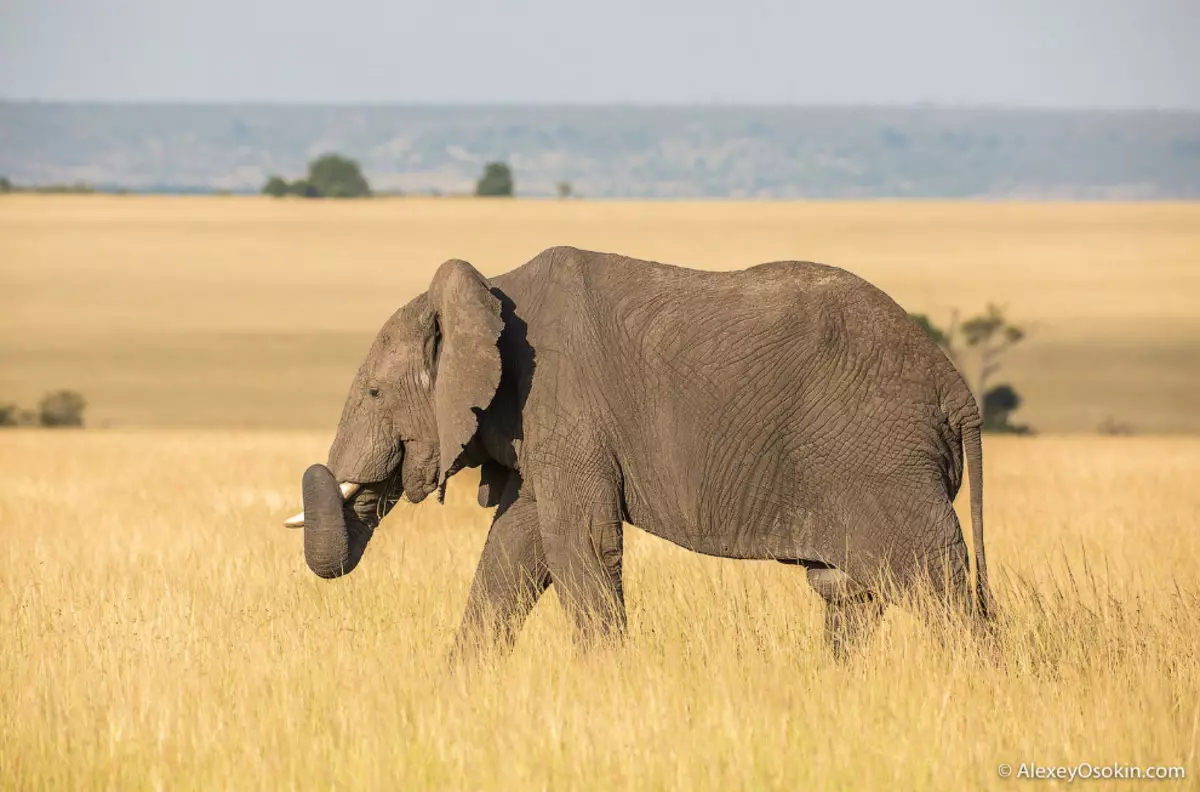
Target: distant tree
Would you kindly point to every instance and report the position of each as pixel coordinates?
(62, 408)
(12, 415)
(991, 335)
(998, 406)
(303, 189)
(276, 187)
(563, 188)
(988, 335)
(329, 176)
(335, 176)
(496, 180)
(5, 185)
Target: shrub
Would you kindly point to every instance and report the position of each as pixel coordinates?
(329, 176)
(335, 176)
(275, 187)
(998, 405)
(12, 415)
(497, 180)
(62, 408)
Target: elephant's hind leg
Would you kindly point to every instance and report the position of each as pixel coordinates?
(852, 612)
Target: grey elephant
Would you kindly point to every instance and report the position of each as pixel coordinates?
(788, 411)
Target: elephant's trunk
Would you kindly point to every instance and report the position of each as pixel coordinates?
(334, 537)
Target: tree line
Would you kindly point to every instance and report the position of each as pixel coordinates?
(336, 176)
(57, 408)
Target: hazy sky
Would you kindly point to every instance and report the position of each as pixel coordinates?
(1076, 53)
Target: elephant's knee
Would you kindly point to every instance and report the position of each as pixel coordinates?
(834, 585)
(609, 547)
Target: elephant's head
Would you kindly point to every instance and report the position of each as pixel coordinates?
(411, 411)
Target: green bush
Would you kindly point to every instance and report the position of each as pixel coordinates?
(276, 187)
(62, 408)
(497, 180)
(13, 415)
(335, 176)
(329, 176)
(999, 403)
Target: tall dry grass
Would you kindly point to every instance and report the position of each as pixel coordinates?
(160, 630)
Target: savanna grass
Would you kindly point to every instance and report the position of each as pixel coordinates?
(162, 631)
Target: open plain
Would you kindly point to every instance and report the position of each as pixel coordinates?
(160, 628)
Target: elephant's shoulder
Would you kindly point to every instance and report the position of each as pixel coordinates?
(562, 259)
(807, 274)
(585, 274)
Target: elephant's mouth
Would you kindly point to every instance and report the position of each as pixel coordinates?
(339, 518)
(369, 502)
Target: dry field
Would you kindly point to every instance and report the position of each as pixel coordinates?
(162, 631)
(245, 312)
(160, 628)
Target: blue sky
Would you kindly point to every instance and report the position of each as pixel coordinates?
(1051, 53)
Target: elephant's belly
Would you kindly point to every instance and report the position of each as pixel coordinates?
(791, 539)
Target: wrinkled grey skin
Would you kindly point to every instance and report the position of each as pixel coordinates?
(789, 411)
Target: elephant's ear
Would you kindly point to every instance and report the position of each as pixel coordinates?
(468, 362)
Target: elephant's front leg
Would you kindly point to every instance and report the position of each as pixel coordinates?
(511, 575)
(582, 537)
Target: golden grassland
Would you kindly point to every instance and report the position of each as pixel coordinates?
(249, 312)
(162, 631)
(160, 628)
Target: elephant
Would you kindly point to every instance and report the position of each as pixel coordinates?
(789, 411)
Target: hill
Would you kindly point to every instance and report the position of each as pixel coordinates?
(618, 151)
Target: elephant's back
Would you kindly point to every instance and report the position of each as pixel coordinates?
(712, 326)
(788, 289)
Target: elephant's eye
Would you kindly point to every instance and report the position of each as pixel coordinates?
(373, 392)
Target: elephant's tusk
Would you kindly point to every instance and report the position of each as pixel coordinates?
(348, 488)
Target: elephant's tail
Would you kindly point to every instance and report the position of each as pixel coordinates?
(973, 449)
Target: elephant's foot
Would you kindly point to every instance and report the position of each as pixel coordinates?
(849, 625)
(483, 634)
